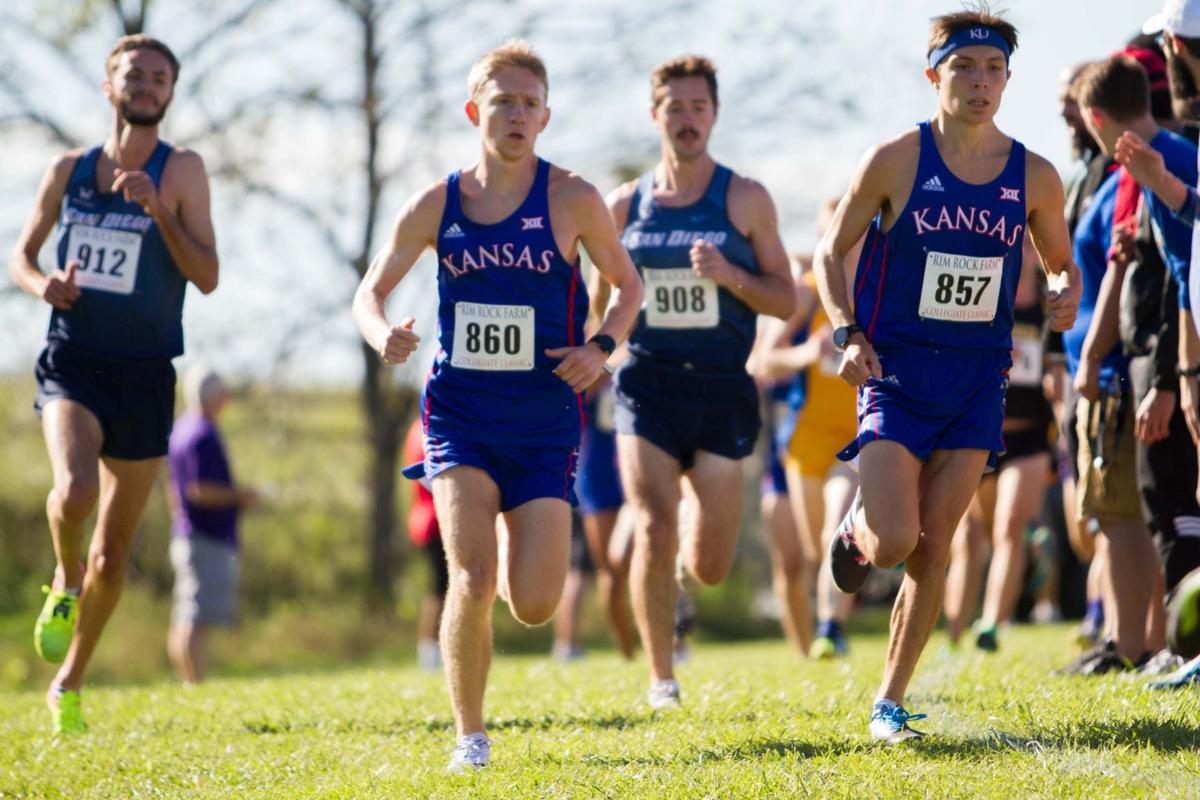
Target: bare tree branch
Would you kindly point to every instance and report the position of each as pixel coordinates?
(248, 9)
(65, 56)
(29, 113)
(294, 205)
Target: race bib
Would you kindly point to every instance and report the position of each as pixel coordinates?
(677, 298)
(960, 288)
(493, 337)
(108, 258)
(1027, 356)
(605, 406)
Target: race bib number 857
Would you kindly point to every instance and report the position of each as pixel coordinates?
(108, 259)
(493, 337)
(961, 288)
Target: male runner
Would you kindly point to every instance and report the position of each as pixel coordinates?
(928, 340)
(133, 229)
(707, 243)
(501, 406)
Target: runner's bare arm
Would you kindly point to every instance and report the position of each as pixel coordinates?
(780, 358)
(869, 192)
(600, 290)
(881, 175)
(187, 230)
(414, 230)
(770, 291)
(58, 289)
(581, 366)
(1048, 229)
(599, 237)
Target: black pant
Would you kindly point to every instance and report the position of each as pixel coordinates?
(1167, 473)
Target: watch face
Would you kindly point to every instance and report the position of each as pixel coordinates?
(840, 337)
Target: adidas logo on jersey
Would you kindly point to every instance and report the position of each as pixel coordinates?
(453, 232)
(934, 184)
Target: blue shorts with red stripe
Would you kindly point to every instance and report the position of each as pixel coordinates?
(521, 473)
(934, 399)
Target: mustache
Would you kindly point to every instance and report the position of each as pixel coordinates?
(690, 130)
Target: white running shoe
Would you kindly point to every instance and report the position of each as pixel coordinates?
(472, 753)
(663, 695)
(889, 723)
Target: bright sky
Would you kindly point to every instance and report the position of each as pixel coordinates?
(870, 52)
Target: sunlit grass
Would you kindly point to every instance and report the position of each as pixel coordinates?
(756, 722)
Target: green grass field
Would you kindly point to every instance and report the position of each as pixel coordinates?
(756, 722)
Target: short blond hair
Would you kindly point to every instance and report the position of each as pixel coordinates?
(138, 41)
(513, 53)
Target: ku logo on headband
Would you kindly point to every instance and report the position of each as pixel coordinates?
(979, 33)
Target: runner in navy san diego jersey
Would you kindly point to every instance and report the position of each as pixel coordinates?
(927, 334)
(502, 408)
(707, 244)
(133, 229)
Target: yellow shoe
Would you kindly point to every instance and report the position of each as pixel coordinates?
(56, 624)
(66, 713)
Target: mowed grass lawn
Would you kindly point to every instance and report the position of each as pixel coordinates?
(756, 722)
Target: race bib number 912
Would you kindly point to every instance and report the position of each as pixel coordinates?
(108, 258)
(677, 298)
(493, 337)
(961, 288)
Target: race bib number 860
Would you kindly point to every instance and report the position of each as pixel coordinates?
(493, 337)
(961, 288)
(108, 259)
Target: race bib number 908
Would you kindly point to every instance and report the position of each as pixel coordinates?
(108, 259)
(961, 288)
(678, 298)
(493, 337)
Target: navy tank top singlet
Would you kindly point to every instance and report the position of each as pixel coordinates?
(131, 303)
(687, 321)
(505, 295)
(945, 274)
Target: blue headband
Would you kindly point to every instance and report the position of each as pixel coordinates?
(969, 37)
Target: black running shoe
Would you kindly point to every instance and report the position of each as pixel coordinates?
(1076, 667)
(1111, 661)
(849, 566)
(986, 640)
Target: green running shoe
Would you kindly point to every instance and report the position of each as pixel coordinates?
(66, 712)
(55, 625)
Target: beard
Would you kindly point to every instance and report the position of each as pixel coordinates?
(141, 118)
(1082, 143)
(1185, 96)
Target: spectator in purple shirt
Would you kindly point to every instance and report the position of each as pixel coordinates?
(206, 503)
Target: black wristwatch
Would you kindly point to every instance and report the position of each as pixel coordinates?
(1187, 372)
(604, 342)
(841, 336)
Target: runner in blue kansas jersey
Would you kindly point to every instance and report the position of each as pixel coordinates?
(502, 406)
(707, 244)
(927, 334)
(133, 229)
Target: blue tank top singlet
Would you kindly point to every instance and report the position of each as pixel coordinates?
(131, 303)
(505, 295)
(945, 274)
(688, 321)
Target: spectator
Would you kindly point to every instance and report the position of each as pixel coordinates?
(206, 504)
